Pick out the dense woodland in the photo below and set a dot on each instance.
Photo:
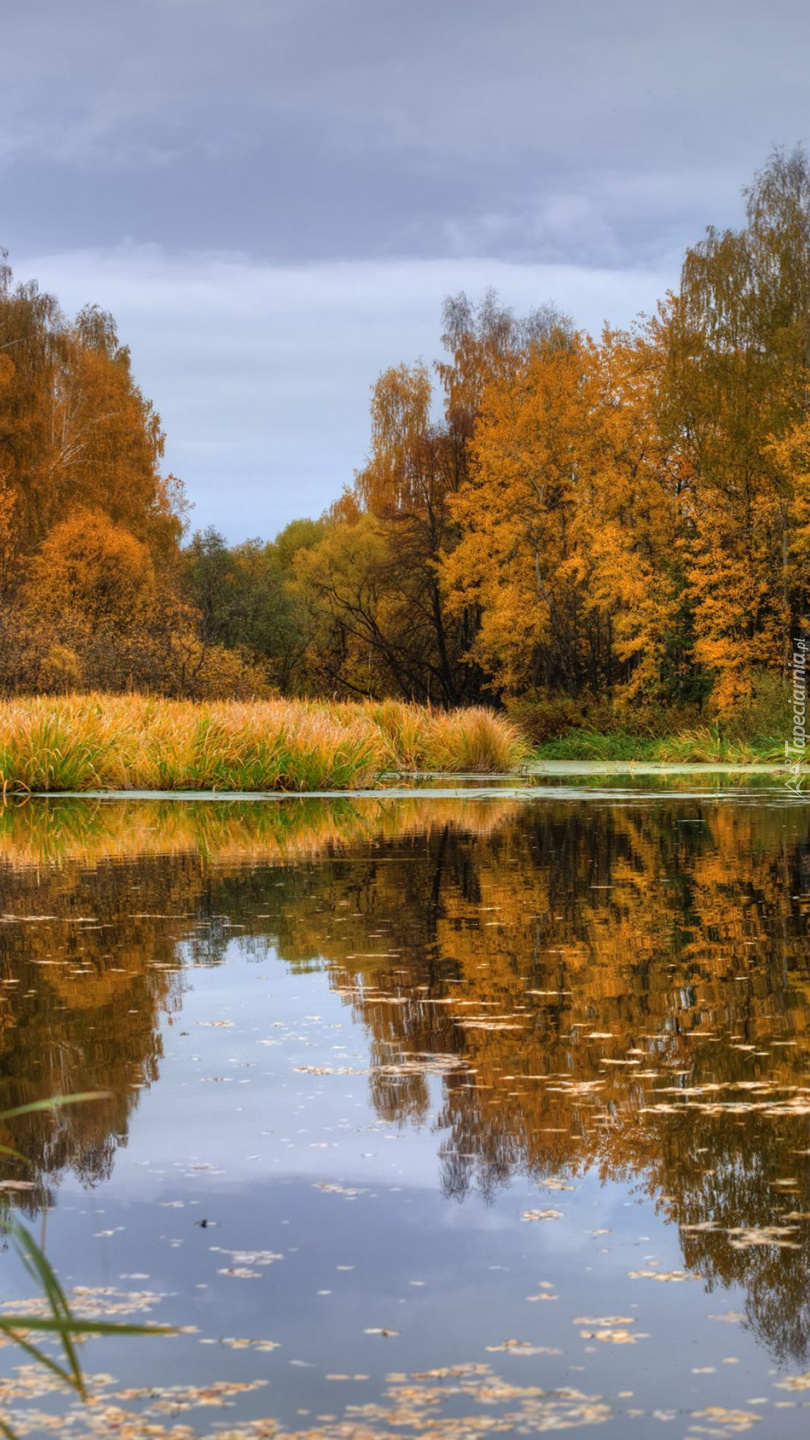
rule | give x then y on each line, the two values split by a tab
594	528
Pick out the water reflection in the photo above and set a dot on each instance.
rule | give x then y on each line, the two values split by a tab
622	987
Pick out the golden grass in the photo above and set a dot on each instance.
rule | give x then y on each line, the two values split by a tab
135	742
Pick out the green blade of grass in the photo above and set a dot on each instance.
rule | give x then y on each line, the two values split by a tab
15	1154
61	1322
75	1326
40	1268
55	1103
68	1377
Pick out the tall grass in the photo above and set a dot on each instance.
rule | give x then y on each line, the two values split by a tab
134	742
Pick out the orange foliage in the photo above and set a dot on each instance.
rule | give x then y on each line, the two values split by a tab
93	569
624	518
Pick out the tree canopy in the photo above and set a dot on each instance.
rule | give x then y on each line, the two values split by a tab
621	520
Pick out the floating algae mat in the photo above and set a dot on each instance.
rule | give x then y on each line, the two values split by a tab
436	1115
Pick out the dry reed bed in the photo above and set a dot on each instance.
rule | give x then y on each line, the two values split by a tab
135	742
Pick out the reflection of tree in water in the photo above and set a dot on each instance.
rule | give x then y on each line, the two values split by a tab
102	905
580	963
86	966
570	979
645	932
721	1172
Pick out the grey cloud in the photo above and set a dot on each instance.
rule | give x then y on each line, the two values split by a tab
352	161
359	128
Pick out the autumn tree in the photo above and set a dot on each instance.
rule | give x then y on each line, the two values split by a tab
404	489
739	340
378	576
75	429
372	628
92	589
518	559
89	527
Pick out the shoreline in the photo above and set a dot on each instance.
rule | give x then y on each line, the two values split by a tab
505	785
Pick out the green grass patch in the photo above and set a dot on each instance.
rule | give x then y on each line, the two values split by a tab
705	744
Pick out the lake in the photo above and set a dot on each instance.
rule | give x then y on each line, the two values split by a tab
434	1115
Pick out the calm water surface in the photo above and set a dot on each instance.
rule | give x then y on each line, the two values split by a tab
438	1117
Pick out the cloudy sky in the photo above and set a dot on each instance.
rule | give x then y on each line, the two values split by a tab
273	196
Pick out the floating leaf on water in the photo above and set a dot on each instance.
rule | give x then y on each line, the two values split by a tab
234	1343
744	1239
612	1335
524	1347
664	1275
794	1382
735	1421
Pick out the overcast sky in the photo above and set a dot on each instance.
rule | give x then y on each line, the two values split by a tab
274	196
